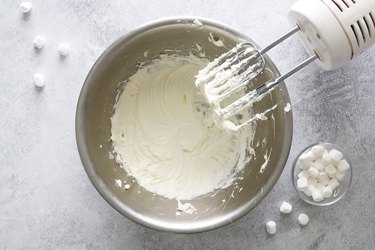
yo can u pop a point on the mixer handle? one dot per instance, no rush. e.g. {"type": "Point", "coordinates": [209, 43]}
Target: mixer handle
{"type": "Point", "coordinates": [336, 30]}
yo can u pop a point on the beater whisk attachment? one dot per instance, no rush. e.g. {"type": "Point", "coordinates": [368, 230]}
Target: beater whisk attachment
{"type": "Point", "coordinates": [231, 72]}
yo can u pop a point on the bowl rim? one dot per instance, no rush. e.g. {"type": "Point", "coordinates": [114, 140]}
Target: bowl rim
{"type": "Point", "coordinates": [344, 192]}
{"type": "Point", "coordinates": [110, 196]}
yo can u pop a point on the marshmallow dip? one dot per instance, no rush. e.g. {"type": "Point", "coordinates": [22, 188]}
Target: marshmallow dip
{"type": "Point", "coordinates": [163, 134]}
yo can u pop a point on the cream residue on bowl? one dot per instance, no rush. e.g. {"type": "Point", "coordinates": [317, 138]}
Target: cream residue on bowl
{"type": "Point", "coordinates": [163, 135]}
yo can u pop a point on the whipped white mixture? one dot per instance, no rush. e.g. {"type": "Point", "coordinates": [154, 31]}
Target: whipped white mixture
{"type": "Point", "coordinates": [221, 79]}
{"type": "Point", "coordinates": [163, 136]}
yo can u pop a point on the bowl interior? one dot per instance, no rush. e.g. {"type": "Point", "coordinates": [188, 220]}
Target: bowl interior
{"type": "Point", "coordinates": [93, 127]}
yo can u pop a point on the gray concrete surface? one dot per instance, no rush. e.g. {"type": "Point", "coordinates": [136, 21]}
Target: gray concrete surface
{"type": "Point", "coordinates": [46, 199]}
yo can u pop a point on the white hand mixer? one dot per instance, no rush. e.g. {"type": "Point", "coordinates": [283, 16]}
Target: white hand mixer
{"type": "Point", "coordinates": [333, 31]}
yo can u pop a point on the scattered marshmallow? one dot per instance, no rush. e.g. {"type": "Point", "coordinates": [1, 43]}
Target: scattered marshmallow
{"type": "Point", "coordinates": [286, 208]}
{"type": "Point", "coordinates": [63, 49]}
{"type": "Point", "coordinates": [25, 7]}
{"type": "Point", "coordinates": [127, 186]}
{"type": "Point", "coordinates": [39, 80]}
{"type": "Point", "coordinates": [321, 173]}
{"type": "Point", "coordinates": [271, 227]}
{"type": "Point", "coordinates": [39, 42]}
{"type": "Point", "coordinates": [303, 219]}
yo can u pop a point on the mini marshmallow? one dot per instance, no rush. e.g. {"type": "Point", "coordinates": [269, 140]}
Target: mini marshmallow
{"type": "Point", "coordinates": [127, 186]}
{"type": "Point", "coordinates": [271, 227]}
{"type": "Point", "coordinates": [340, 175]}
{"type": "Point", "coordinates": [286, 208]}
{"type": "Point", "coordinates": [317, 151]}
{"type": "Point", "coordinates": [313, 172]}
{"type": "Point", "coordinates": [312, 181]}
{"type": "Point", "coordinates": [303, 219]}
{"type": "Point", "coordinates": [39, 80]}
{"type": "Point", "coordinates": [333, 183]}
{"type": "Point", "coordinates": [39, 42]}
{"type": "Point", "coordinates": [330, 170]}
{"type": "Point", "coordinates": [303, 173]}
{"type": "Point", "coordinates": [306, 157]}
{"type": "Point", "coordinates": [326, 158]}
{"type": "Point", "coordinates": [319, 166]}
{"type": "Point", "coordinates": [327, 192]}
{"type": "Point", "coordinates": [25, 7]}
{"type": "Point", "coordinates": [310, 155]}
{"type": "Point", "coordinates": [63, 49]}
{"type": "Point", "coordinates": [306, 164]}
{"type": "Point", "coordinates": [302, 183]}
{"type": "Point", "coordinates": [323, 178]}
{"type": "Point", "coordinates": [335, 155]}
{"type": "Point", "coordinates": [343, 166]}
{"type": "Point", "coordinates": [319, 186]}
{"type": "Point", "coordinates": [311, 186]}
{"type": "Point", "coordinates": [308, 191]}
{"type": "Point", "coordinates": [317, 195]}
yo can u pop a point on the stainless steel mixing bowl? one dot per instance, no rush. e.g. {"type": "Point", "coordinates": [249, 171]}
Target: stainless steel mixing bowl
{"type": "Point", "coordinates": [93, 126]}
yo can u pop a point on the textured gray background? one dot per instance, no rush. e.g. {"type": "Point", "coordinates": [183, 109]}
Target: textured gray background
{"type": "Point", "coordinates": [46, 200]}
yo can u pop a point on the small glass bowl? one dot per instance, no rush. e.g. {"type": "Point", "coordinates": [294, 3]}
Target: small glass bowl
{"type": "Point", "coordinates": [338, 192]}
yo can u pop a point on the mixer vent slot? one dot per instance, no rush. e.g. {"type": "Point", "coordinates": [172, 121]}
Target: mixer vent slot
{"type": "Point", "coordinates": [372, 19]}
{"type": "Point", "coordinates": [361, 29]}
{"type": "Point", "coordinates": [343, 4]}
{"type": "Point", "coordinates": [337, 5]}
{"type": "Point", "coordinates": [355, 34]}
{"type": "Point", "coordinates": [368, 27]}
